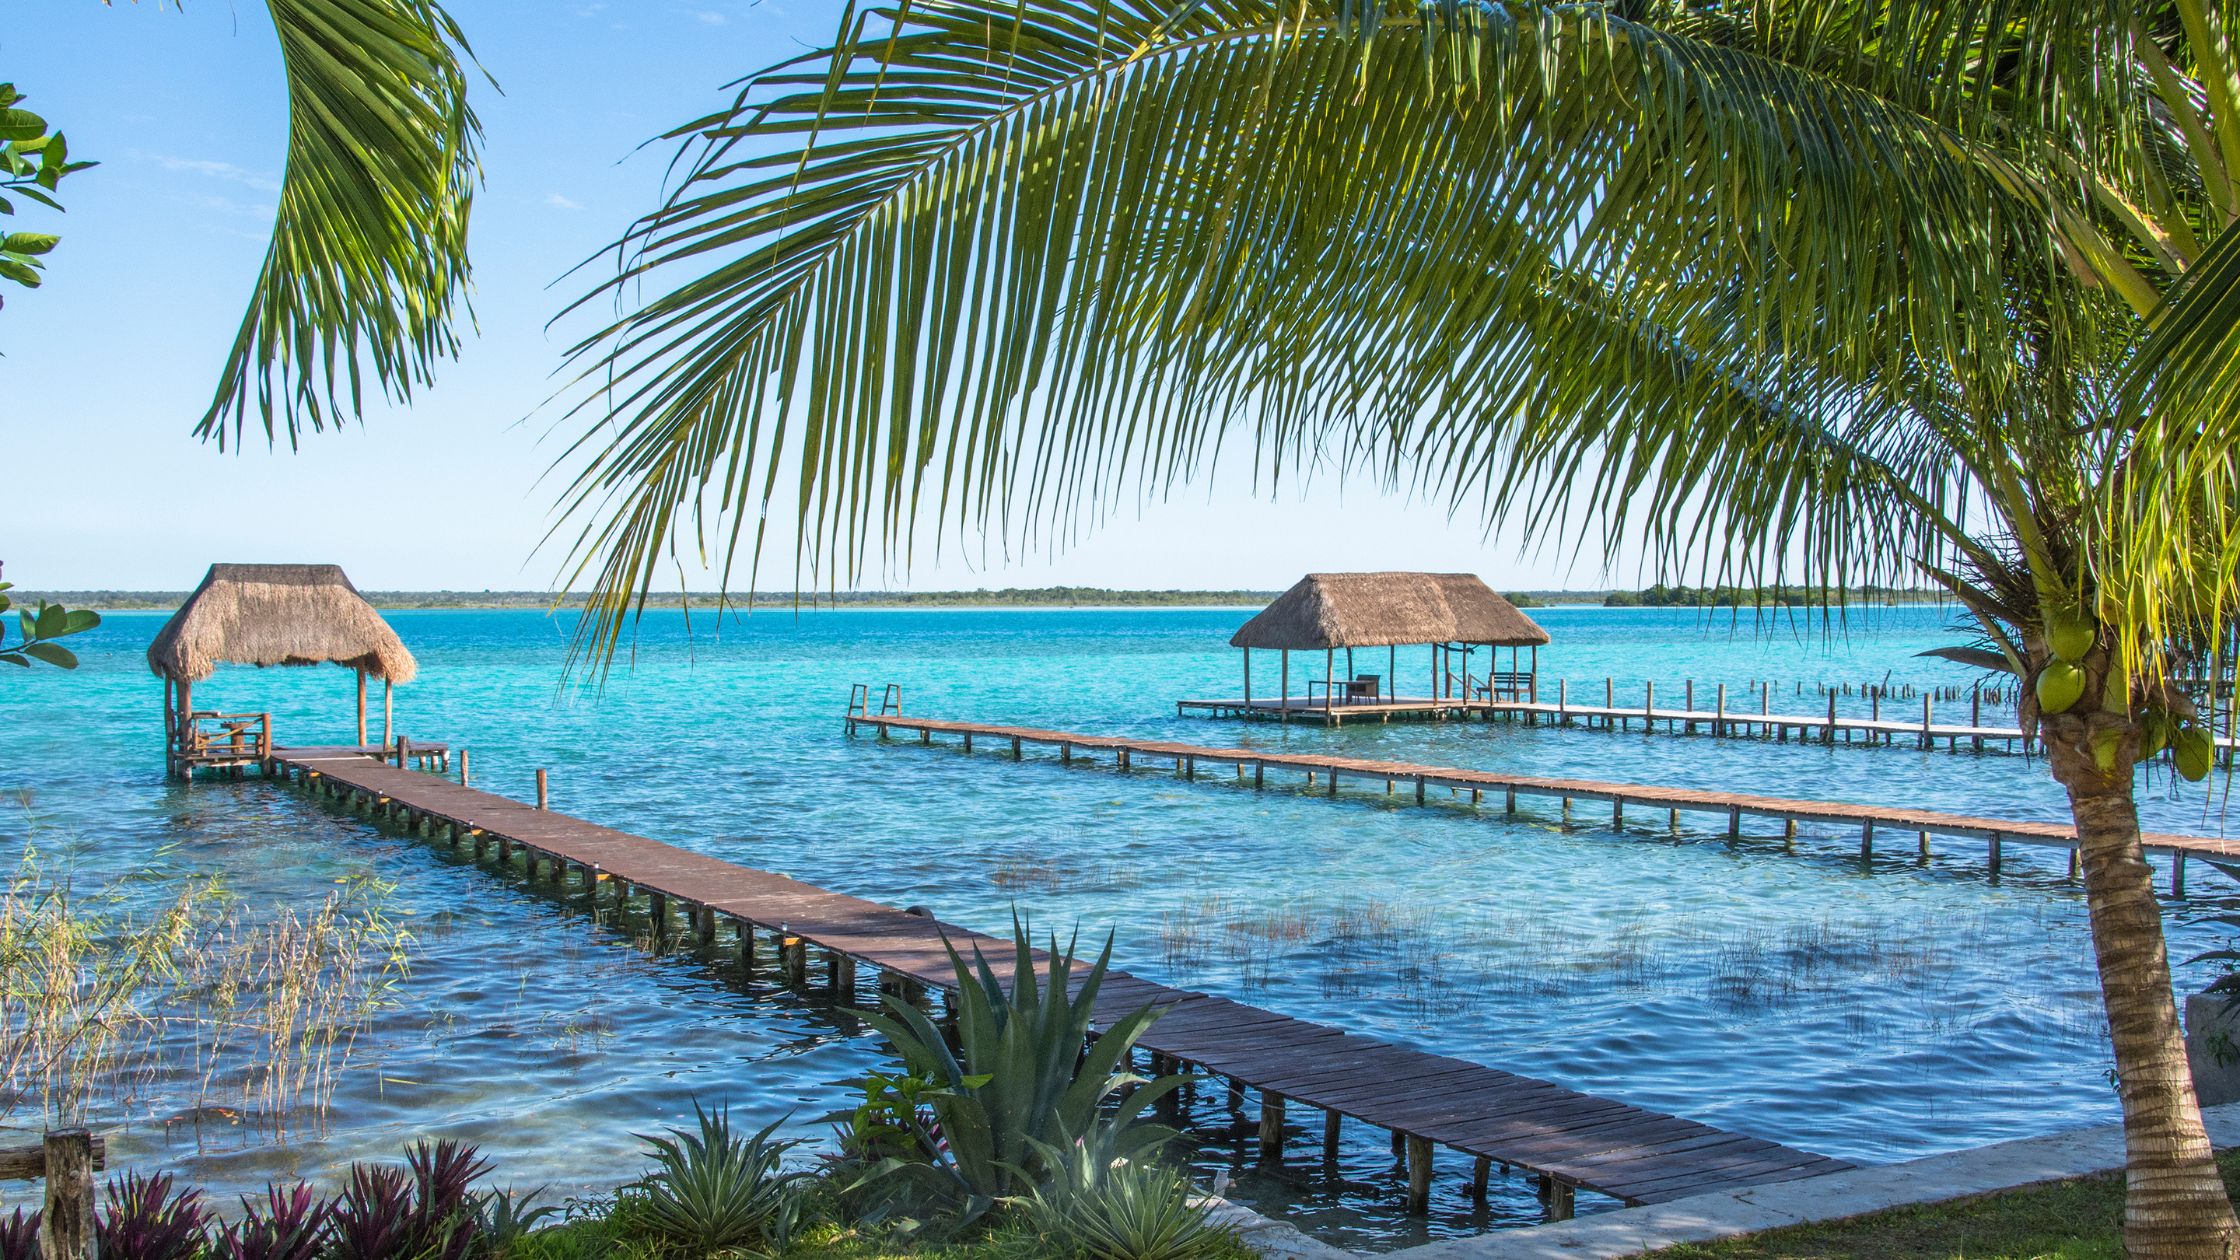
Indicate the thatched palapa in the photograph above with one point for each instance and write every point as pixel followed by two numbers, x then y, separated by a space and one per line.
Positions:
pixel 277 614
pixel 1351 610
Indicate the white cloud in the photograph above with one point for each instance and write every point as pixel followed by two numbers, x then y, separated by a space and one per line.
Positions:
pixel 558 202
pixel 709 17
pixel 214 170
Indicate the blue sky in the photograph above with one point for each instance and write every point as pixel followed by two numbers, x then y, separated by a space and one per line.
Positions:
pixel 107 367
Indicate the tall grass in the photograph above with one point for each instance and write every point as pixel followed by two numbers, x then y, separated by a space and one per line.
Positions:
pixel 112 992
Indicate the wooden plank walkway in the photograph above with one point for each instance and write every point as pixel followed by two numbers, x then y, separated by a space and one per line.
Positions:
pixel 1569 1139
pixel 1733 807
pixel 1718 721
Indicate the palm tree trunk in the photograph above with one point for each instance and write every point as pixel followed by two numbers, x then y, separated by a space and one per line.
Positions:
pixel 2175 1208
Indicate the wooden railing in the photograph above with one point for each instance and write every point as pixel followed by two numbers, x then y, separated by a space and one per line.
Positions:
pixel 225 737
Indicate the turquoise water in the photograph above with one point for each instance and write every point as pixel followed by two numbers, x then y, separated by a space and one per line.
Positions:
pixel 1871 1011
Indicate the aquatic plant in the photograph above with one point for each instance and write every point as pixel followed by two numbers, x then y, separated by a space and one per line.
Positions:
pixel 289 1224
pixel 1018 1080
pixel 144 1220
pixel 716 1189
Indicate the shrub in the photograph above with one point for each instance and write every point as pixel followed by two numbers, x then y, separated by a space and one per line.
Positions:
pixel 1019 1081
pixel 19 1236
pixel 289 1225
pixel 445 1217
pixel 715 1189
pixel 1108 1209
pixel 370 1218
pixel 503 1218
pixel 146 1221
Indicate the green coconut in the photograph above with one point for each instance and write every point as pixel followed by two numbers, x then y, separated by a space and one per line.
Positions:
pixel 2193 752
pixel 2060 686
pixel 2071 637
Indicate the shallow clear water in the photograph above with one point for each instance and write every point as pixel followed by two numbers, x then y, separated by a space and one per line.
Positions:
pixel 1872 1011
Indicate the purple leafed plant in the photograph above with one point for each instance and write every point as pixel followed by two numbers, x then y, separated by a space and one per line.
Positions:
pixel 19 1236
pixel 444 1220
pixel 370 1219
pixel 289 1225
pixel 145 1221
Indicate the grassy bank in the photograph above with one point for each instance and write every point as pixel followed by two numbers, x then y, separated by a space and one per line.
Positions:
pixel 2067 1220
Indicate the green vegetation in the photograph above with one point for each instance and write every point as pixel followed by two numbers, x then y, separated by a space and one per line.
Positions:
pixel 1663 596
pixel 2067 1220
pixel 33 163
pixel 37 629
pixel 1737 283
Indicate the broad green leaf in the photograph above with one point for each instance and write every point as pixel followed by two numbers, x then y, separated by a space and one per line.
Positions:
pixel 53 654
pixel 28 242
pixel 21 124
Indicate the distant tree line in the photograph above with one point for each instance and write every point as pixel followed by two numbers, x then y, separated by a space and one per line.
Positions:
pixel 1663 596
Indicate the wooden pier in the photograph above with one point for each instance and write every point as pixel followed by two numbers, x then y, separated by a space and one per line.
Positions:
pixel 1871 821
pixel 1568 1140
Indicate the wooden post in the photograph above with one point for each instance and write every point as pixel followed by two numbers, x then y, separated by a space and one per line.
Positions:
pixel 462 767
pixel 793 955
pixel 1719 723
pixel 1248 680
pixel 361 708
pixel 1866 839
pixel 1285 706
pixel 1419 1175
pixel 1563 701
pixel 544 790
pixel 1271 1126
pixel 1332 1123
pixel 1831 733
pixel 1559 1196
pixel 1329 675
pixel 1480 1173
pixel 388 710
pixel 1927 740
pixel 66 1226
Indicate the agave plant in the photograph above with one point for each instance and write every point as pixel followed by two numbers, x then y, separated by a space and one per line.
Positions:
pixel 716 1189
pixel 290 1224
pixel 19 1236
pixel 1018 1082
pixel 1097 1205
pixel 505 1217
pixel 146 1221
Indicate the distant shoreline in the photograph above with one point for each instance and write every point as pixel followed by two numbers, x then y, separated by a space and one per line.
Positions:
pixel 1078 597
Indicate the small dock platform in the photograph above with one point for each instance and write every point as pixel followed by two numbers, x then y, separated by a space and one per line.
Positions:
pixel 1871 821
pixel 1569 1140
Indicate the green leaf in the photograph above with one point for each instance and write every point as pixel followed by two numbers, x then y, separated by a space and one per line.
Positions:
pixel 51 620
pixel 21 124
pixel 53 654
pixel 29 242
pixel 82 620
pixel 15 658
pixel 22 273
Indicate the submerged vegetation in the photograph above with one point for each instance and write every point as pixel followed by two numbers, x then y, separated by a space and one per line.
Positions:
pixel 113 1001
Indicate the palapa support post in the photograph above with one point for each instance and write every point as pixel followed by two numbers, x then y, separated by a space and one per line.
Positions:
pixel 388 709
pixel 1284 708
pixel 1271 1126
pixel 66 1223
pixel 361 707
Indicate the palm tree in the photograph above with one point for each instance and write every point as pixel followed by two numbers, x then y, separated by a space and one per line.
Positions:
pixel 1829 294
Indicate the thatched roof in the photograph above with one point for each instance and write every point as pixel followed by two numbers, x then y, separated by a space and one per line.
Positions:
pixel 1340 610
pixel 277 614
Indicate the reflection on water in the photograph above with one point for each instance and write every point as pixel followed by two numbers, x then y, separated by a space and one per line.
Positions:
pixel 1873 1011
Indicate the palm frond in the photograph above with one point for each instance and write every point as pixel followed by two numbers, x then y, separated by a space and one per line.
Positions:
pixel 368 261
pixel 979 263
